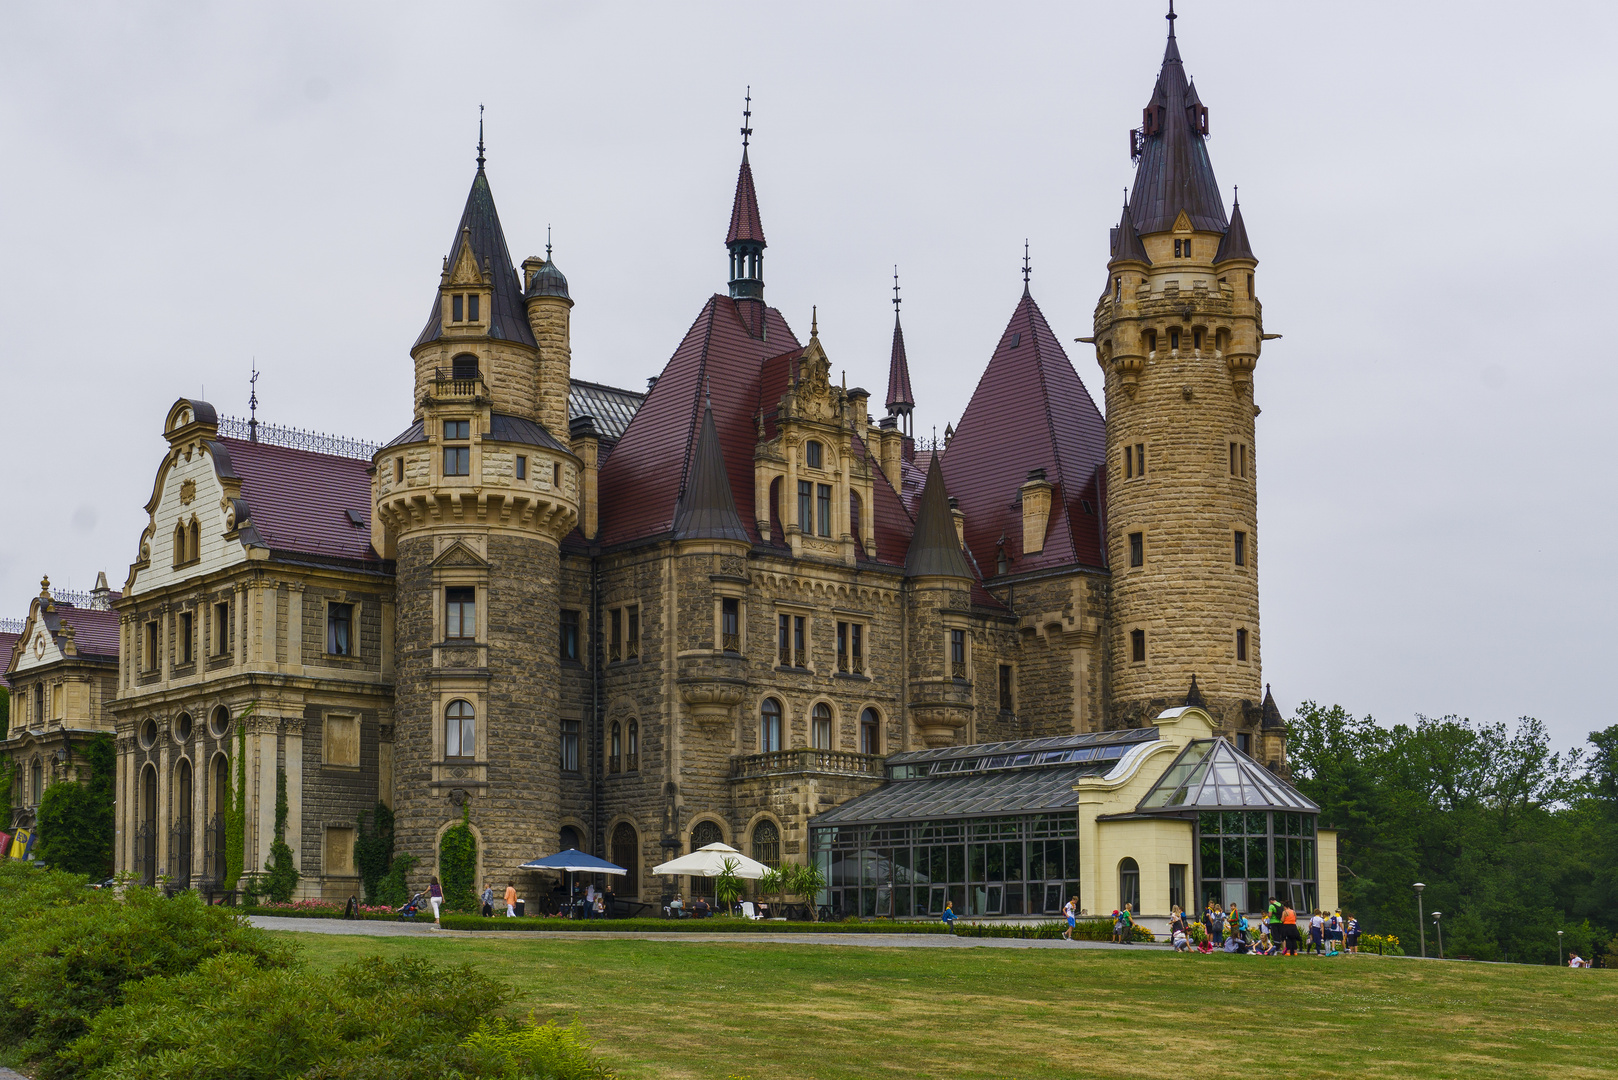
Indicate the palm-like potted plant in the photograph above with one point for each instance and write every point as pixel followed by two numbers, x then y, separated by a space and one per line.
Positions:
pixel 727 887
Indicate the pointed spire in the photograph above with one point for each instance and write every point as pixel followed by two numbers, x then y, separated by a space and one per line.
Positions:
pixel 1126 245
pixel 707 507
pixel 901 399
pixel 935 547
pixel 746 236
pixel 1193 697
pixel 480 138
pixel 1271 714
pixel 1174 174
pixel 1235 244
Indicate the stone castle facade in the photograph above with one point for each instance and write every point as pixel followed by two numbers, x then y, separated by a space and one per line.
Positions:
pixel 637 624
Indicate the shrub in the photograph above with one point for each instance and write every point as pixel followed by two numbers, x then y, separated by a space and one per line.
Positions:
pixel 233 1020
pixel 28 890
pixel 458 865
pixel 373 851
pixel 75 820
pixel 537 1050
pixel 1381 944
pixel 60 967
pixel 393 889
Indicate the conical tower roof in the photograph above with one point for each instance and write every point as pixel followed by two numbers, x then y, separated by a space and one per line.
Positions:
pixel 1193 697
pixel 1126 241
pixel 480 223
pixel 899 392
pixel 1174 173
pixel 1235 245
pixel 1272 714
pixel 745 223
pixel 935 549
pixel 707 509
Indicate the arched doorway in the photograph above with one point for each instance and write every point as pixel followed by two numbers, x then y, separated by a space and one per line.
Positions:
pixel 626 853
pixel 146 834
pixel 180 835
pixel 214 868
pixel 1129 885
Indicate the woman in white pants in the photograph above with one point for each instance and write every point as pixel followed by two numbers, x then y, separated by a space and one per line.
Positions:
pixel 435 896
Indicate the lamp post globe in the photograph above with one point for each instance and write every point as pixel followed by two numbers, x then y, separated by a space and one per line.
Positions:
pixel 1438 926
pixel 1559 948
pixel 1420 922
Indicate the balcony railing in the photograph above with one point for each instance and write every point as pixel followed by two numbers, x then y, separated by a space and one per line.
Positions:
pixel 731 642
pixel 448 384
pixel 957 669
pixel 805 759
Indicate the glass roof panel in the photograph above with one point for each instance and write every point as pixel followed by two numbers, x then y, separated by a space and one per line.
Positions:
pixel 1211 773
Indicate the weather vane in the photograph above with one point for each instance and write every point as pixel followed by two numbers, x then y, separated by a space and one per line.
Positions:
pixel 1026 270
pixel 896 290
pixel 747 118
pixel 252 404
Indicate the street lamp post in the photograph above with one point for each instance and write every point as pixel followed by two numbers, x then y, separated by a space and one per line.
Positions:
pixel 1420 925
pixel 1438 926
pixel 1559 948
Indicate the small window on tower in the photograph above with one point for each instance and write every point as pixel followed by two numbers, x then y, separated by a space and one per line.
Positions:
pixel 457 307
pixel 1129 463
pixel 1118 288
pixel 522 467
pixel 1137 646
pixel 398 470
pixel 1241 548
pixel 1151 341
pixel 1196 339
pixel 1174 339
pixel 472 303
pixel 1241 645
pixel 1137 549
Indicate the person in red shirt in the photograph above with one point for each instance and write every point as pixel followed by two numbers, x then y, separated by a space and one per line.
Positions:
pixel 1289 929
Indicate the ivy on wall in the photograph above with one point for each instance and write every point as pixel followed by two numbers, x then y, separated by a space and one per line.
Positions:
pixel 236 810
pixel 373 851
pixel 281 871
pixel 458 865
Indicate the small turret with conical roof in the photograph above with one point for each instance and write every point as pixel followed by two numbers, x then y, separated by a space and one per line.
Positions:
pixel 901 399
pixel 707 506
pixel 745 240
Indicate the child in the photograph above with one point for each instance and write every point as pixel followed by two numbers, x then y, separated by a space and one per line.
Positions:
pixel 949 914
pixel 1317 930
pixel 1069 910
pixel 1181 942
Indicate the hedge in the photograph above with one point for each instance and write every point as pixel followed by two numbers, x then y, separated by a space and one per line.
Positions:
pixel 719 925
pixel 325 913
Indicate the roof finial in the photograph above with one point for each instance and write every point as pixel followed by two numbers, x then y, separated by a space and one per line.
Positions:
pixel 747 118
pixel 547 242
pixel 1026 267
pixel 480 137
pixel 896 290
pixel 252 404
pixel 1171 17
pixel 1237 198
pixel 814 320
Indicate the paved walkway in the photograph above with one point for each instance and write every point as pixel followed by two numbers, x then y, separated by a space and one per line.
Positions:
pixel 922 941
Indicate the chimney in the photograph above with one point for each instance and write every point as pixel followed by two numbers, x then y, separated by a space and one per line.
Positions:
pixel 101 595
pixel 892 449
pixel 858 401
pixel 959 515
pixel 587 445
pixel 530 266
pixel 1036 511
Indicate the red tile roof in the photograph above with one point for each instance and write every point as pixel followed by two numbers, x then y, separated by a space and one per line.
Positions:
pixel 744 220
pixel 299 501
pixel 95 632
pixel 1030 398
pixel 8 642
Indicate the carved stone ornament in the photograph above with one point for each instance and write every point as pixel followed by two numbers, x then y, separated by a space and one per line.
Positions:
pixel 939 726
pixel 188 491
pixel 459 796
pixel 711 700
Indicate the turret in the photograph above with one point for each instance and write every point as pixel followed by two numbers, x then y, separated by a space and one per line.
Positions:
pixel 938 585
pixel 745 240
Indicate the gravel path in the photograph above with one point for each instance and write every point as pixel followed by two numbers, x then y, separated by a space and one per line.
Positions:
pixel 886 941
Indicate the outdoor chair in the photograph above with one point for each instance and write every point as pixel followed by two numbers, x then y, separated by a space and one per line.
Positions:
pixel 748 911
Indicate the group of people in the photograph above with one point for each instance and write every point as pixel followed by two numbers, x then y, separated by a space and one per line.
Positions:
pixel 489 895
pixel 700 909
pixel 1277 933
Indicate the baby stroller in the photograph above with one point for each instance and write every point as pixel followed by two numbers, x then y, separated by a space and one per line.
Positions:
pixel 415 904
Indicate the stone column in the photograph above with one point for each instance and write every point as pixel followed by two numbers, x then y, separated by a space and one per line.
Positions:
pixel 295 628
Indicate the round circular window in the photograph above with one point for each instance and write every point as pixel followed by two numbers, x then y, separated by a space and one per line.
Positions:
pixel 182 727
pixel 148 733
pixel 219 722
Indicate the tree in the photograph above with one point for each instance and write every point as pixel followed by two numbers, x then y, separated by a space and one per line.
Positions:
pixel 76 821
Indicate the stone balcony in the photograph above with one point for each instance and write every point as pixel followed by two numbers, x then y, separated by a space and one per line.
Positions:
pixel 806 760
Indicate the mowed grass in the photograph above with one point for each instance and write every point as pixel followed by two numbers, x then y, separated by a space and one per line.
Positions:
pixel 765 1011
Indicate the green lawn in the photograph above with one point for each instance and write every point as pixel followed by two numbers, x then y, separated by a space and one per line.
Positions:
pixel 765 1011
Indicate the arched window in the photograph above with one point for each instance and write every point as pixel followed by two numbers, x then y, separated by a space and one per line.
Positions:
pixel 193 546
pixel 146 836
pixel 703 834
pixel 820 730
pixel 464 366
pixel 569 838
pixel 633 762
pixel 626 853
pixel 870 732
pixel 615 760
pixel 221 784
pixel 767 843
pixel 1129 885
pixel 36 781
pixel 180 839
pixel 769 726
pixel 179 545
pixel 460 730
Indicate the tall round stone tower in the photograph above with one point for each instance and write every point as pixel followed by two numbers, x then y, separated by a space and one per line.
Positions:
pixel 1177 333
pixel 472 502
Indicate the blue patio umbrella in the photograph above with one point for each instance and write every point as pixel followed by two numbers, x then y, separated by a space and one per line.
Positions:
pixel 573 860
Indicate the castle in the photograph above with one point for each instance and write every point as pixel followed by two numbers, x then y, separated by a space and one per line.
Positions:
pixel 731 608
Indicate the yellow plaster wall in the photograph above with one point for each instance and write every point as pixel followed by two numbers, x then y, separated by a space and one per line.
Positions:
pixel 1326 861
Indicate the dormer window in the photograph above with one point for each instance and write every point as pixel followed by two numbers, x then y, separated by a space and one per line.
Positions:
pixel 813 454
pixel 1182 249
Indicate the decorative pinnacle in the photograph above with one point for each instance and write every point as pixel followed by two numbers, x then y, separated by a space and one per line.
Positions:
pixel 814 321
pixel 45 586
pixel 896 291
pixel 480 138
pixel 547 243
pixel 252 404
pixel 1171 17
pixel 747 118
pixel 1026 267
pixel 1237 198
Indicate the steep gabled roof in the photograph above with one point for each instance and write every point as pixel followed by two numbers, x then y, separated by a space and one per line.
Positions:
pixel 1030 411
pixel 1175 173
pixel 899 392
pixel 300 501
pixel 745 223
pixel 707 507
pixel 508 319
pixel 935 550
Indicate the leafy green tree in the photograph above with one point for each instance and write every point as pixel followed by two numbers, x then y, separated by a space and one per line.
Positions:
pixel 76 821
pixel 281 871
pixel 373 850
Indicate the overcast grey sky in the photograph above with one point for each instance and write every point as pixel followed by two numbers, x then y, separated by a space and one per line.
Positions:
pixel 185 187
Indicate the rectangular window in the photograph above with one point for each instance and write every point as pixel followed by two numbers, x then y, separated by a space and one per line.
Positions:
pixel 632 637
pixel 522 467
pixel 455 307
pixel 811 454
pixel 186 653
pixel 340 629
pixel 339 860
pixel 1196 339
pixel 151 657
pixel 1174 339
pixel 823 497
pixel 1137 549
pixel 460 614
pixel 457 461
pixel 1177 885
pixel 1238 460
pixel 1005 688
pixel 1244 742
pixel 1129 463
pixel 1241 548
pixel 472 303
pixel 784 639
pixel 398 470
pixel 614 643
pixel 806 510
pixel 842 647
pixel 221 628
pixel 1140 459
pixel 730 624
pixel 957 654
pixel 800 644
pixel 858 632
pixel 556 475
pixel 570 746
pixel 1241 644
pixel 340 744
pixel 1233 460
pixel 457 429
pixel 1137 646
pixel 570 636
pixel 1243 449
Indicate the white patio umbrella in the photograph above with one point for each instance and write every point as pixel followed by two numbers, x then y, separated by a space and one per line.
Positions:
pixel 710 862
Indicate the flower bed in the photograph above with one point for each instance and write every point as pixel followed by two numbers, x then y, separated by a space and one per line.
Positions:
pixel 318 909
pixel 716 925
